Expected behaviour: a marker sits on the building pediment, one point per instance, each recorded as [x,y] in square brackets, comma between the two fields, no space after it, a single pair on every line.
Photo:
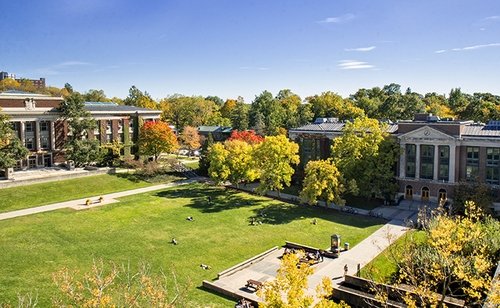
[425,133]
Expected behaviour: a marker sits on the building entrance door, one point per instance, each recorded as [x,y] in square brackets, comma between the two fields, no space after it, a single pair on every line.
[442,195]
[409,192]
[425,194]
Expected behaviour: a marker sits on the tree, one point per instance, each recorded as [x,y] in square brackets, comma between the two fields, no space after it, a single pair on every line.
[478,192]
[275,157]
[155,138]
[95,96]
[330,104]
[289,289]
[265,108]
[9,84]
[240,116]
[11,149]
[117,286]
[456,258]
[137,98]
[194,111]
[322,180]
[240,162]
[364,158]
[228,108]
[219,170]
[248,136]
[204,161]
[79,148]
[190,138]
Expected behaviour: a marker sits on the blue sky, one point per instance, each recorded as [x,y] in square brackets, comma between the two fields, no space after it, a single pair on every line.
[235,47]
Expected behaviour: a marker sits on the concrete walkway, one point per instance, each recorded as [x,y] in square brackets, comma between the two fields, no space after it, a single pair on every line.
[79,204]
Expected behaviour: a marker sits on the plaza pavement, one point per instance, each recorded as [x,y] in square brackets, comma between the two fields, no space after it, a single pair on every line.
[80,204]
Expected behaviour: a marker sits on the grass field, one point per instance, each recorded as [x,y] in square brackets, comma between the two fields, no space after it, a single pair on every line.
[21,197]
[140,227]
[383,267]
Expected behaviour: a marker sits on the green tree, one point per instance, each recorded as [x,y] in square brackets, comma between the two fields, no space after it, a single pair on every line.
[364,158]
[219,170]
[155,138]
[330,104]
[275,157]
[140,99]
[322,180]
[240,116]
[79,148]
[11,149]
[95,96]
[267,109]
[194,111]
[204,160]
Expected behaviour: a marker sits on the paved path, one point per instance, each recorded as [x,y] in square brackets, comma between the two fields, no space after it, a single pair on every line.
[79,204]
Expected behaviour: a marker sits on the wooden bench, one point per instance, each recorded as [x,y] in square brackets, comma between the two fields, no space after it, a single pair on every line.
[254,284]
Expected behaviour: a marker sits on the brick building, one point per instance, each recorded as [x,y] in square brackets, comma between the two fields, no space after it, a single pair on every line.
[435,154]
[38,124]
[38,83]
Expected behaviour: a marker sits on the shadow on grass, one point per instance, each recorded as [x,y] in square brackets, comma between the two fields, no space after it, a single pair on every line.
[209,199]
[283,213]
[161,177]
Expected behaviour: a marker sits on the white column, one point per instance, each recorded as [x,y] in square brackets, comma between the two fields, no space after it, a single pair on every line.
[417,161]
[402,162]
[22,127]
[451,171]
[436,162]
[52,136]
[37,136]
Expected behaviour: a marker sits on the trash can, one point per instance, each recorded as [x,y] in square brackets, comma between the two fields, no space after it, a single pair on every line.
[346,246]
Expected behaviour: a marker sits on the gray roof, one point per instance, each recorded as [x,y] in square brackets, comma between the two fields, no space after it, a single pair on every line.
[480,130]
[335,127]
[113,107]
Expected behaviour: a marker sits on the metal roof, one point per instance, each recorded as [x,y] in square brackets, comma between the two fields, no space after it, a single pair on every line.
[480,130]
[335,127]
[113,107]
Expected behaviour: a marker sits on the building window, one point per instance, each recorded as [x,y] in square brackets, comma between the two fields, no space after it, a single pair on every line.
[472,163]
[131,125]
[28,127]
[444,162]
[109,138]
[427,162]
[492,166]
[44,142]
[108,127]
[30,144]
[44,126]
[411,155]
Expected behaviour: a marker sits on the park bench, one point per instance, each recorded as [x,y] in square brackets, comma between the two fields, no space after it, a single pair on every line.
[254,284]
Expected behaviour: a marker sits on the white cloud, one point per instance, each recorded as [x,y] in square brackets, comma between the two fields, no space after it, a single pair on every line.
[492,18]
[370,48]
[353,65]
[474,47]
[440,51]
[338,19]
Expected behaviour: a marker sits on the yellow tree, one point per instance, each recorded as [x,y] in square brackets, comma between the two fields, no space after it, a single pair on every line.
[190,138]
[275,157]
[455,259]
[217,156]
[289,289]
[240,161]
[9,84]
[156,137]
[322,180]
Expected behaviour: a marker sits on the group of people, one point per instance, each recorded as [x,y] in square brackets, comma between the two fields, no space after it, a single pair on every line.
[309,256]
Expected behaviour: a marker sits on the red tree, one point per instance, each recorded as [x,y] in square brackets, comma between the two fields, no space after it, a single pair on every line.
[249,136]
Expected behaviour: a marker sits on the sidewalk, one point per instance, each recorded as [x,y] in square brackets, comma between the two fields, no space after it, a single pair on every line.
[79,204]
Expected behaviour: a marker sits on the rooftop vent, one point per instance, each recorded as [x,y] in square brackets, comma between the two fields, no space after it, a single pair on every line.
[326,120]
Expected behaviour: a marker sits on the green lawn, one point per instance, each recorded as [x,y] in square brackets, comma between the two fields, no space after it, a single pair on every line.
[140,227]
[21,197]
[383,268]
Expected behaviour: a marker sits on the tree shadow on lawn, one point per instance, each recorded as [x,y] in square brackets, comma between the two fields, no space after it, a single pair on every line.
[283,213]
[209,199]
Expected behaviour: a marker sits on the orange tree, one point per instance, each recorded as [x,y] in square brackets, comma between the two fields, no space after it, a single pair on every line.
[249,136]
[157,137]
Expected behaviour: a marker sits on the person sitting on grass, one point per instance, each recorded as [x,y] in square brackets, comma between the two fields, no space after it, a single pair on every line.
[205,267]
[190,218]
[174,241]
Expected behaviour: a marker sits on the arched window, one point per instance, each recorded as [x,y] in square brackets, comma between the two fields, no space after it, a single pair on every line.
[442,194]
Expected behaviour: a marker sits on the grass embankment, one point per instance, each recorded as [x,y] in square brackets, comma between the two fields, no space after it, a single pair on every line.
[140,228]
[21,197]
[383,267]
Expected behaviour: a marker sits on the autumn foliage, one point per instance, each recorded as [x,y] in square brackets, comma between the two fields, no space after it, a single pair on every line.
[157,137]
[249,136]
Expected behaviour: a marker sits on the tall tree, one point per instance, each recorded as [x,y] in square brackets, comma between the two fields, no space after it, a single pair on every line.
[93,95]
[330,104]
[79,148]
[11,149]
[357,154]
[322,180]
[190,138]
[267,109]
[240,162]
[204,159]
[275,157]
[155,138]
[240,115]
[217,156]
[140,99]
